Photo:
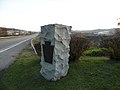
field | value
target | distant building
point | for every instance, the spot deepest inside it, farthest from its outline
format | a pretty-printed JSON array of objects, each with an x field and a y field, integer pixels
[
  {"x": 16, "y": 32},
  {"x": 3, "y": 31},
  {"x": 10, "y": 31}
]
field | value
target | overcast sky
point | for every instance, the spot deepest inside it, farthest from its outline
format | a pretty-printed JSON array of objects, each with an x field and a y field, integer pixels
[{"x": 80, "y": 14}]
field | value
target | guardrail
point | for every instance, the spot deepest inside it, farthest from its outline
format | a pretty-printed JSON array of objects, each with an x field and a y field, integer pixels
[{"x": 33, "y": 46}]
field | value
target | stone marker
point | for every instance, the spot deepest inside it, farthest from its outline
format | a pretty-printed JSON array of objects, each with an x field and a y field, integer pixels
[{"x": 55, "y": 40}]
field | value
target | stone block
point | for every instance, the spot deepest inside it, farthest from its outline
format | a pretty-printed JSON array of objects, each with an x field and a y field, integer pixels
[{"x": 55, "y": 40}]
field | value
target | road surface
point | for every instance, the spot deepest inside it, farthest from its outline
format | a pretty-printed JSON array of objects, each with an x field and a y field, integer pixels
[{"x": 10, "y": 48}]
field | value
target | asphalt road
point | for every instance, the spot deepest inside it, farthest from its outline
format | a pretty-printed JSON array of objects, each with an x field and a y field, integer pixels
[{"x": 11, "y": 47}]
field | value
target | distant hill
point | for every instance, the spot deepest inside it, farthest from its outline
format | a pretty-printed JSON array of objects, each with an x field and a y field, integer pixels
[{"x": 97, "y": 31}]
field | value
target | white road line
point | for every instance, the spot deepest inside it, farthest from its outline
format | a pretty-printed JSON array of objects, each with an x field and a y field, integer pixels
[{"x": 1, "y": 51}]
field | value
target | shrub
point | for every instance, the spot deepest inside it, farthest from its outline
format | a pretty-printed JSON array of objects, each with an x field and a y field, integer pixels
[
  {"x": 117, "y": 31},
  {"x": 78, "y": 45},
  {"x": 38, "y": 48},
  {"x": 113, "y": 44},
  {"x": 97, "y": 52}
]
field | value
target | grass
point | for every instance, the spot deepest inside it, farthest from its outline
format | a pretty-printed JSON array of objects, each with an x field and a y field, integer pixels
[
  {"x": 36, "y": 40},
  {"x": 89, "y": 73}
]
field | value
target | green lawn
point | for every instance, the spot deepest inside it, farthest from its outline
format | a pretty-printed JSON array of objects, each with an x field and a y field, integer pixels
[{"x": 89, "y": 73}]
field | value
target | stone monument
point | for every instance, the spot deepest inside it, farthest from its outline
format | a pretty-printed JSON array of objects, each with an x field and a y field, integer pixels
[{"x": 55, "y": 40}]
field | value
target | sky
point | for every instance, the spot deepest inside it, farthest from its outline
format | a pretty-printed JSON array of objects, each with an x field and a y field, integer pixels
[{"x": 80, "y": 14}]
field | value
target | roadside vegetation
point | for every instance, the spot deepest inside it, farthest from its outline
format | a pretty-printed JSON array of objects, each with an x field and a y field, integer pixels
[
  {"x": 36, "y": 40},
  {"x": 78, "y": 44},
  {"x": 97, "y": 52},
  {"x": 113, "y": 44},
  {"x": 37, "y": 45}
]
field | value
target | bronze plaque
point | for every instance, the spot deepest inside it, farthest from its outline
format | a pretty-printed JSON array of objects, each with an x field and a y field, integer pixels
[{"x": 48, "y": 52}]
